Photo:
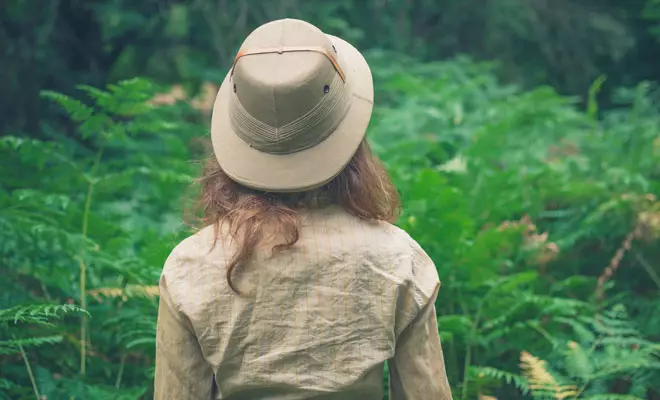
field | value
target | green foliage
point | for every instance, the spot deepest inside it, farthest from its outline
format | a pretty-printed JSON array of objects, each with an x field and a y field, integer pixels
[
  {"x": 613, "y": 350},
  {"x": 89, "y": 223},
  {"x": 652, "y": 12},
  {"x": 35, "y": 313},
  {"x": 566, "y": 43},
  {"x": 538, "y": 216},
  {"x": 522, "y": 200}
]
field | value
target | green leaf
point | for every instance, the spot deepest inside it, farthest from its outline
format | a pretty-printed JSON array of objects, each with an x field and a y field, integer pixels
[{"x": 76, "y": 110}]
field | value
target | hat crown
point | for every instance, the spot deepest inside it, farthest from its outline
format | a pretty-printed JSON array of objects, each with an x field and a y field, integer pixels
[{"x": 287, "y": 95}]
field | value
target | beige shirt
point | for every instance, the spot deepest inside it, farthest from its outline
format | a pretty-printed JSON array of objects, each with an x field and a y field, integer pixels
[{"x": 319, "y": 320}]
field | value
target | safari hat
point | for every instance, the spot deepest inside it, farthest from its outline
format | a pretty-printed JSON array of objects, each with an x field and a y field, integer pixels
[{"x": 293, "y": 108}]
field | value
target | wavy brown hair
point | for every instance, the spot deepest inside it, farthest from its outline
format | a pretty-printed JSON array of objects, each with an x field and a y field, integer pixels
[{"x": 363, "y": 189}]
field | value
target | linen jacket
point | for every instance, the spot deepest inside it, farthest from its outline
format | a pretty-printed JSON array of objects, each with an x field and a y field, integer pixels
[{"x": 318, "y": 320}]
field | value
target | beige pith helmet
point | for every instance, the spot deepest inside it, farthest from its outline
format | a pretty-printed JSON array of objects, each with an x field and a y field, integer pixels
[{"x": 293, "y": 109}]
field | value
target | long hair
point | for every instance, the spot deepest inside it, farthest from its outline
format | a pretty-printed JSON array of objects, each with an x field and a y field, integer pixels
[{"x": 363, "y": 189}]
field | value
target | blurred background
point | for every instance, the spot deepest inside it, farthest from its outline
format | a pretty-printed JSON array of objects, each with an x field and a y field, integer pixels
[{"x": 524, "y": 136}]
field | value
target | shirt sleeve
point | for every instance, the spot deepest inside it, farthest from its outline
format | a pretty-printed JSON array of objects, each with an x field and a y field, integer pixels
[
  {"x": 417, "y": 371},
  {"x": 182, "y": 373}
]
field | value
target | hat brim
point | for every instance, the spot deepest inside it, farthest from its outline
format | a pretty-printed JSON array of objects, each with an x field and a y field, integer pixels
[{"x": 307, "y": 169}]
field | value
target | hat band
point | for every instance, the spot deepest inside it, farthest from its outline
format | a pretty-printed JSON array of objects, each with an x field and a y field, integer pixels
[
  {"x": 289, "y": 49},
  {"x": 305, "y": 132}
]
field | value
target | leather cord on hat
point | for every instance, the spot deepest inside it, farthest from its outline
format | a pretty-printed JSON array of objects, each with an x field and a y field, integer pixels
[{"x": 290, "y": 49}]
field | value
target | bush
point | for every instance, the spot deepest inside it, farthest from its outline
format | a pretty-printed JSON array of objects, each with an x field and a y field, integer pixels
[{"x": 539, "y": 217}]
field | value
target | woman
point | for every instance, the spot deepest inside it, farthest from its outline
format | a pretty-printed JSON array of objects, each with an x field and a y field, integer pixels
[{"x": 299, "y": 287}]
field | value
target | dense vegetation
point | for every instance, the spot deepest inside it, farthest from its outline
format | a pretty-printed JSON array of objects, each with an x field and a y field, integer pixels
[
  {"x": 541, "y": 211},
  {"x": 564, "y": 43}
]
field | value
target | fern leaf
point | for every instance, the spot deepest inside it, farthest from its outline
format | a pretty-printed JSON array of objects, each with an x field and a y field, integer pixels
[
  {"x": 37, "y": 313},
  {"x": 5, "y": 384},
  {"x": 577, "y": 362},
  {"x": 612, "y": 397},
  {"x": 126, "y": 292},
  {"x": 95, "y": 124},
  {"x": 145, "y": 341},
  {"x": 77, "y": 110},
  {"x": 97, "y": 94},
  {"x": 581, "y": 330},
  {"x": 541, "y": 382},
  {"x": 12, "y": 346},
  {"x": 519, "y": 382}
]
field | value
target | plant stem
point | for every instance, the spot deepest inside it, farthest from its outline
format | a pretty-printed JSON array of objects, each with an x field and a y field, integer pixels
[
  {"x": 29, "y": 371},
  {"x": 121, "y": 370},
  {"x": 470, "y": 340},
  {"x": 649, "y": 269},
  {"x": 466, "y": 369},
  {"x": 468, "y": 350},
  {"x": 83, "y": 266},
  {"x": 83, "y": 283}
]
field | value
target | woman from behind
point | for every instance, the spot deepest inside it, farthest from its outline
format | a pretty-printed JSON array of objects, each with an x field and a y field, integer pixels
[{"x": 298, "y": 286}]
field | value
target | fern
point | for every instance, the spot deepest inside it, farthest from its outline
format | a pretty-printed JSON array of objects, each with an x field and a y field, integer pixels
[
  {"x": 518, "y": 381},
  {"x": 610, "y": 348},
  {"x": 541, "y": 381},
  {"x": 37, "y": 313},
  {"x": 5, "y": 384},
  {"x": 124, "y": 293},
  {"x": 13, "y": 346},
  {"x": 581, "y": 330},
  {"x": 76, "y": 110},
  {"x": 577, "y": 362}
]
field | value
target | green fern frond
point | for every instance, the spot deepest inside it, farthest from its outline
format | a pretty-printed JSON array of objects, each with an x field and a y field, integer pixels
[
  {"x": 508, "y": 329},
  {"x": 612, "y": 397},
  {"x": 548, "y": 305},
  {"x": 615, "y": 322},
  {"x": 556, "y": 306},
  {"x": 578, "y": 363},
  {"x": 33, "y": 152},
  {"x": 75, "y": 388},
  {"x": 608, "y": 327},
  {"x": 617, "y": 365},
  {"x": 518, "y": 381},
  {"x": 130, "y": 97},
  {"x": 582, "y": 330},
  {"x": 100, "y": 96},
  {"x": 31, "y": 197},
  {"x": 37, "y": 313},
  {"x": 625, "y": 342},
  {"x": 503, "y": 317},
  {"x": 18, "y": 143},
  {"x": 12, "y": 346},
  {"x": 514, "y": 281},
  {"x": 95, "y": 124},
  {"x": 77, "y": 110},
  {"x": 139, "y": 334},
  {"x": 14, "y": 143}
]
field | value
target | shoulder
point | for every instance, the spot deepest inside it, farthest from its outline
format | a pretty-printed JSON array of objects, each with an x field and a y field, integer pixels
[
  {"x": 404, "y": 256},
  {"x": 422, "y": 269},
  {"x": 187, "y": 267},
  {"x": 194, "y": 247}
]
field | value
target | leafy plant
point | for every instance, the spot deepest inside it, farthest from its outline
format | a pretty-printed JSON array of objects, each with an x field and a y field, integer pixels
[
  {"x": 537, "y": 214},
  {"x": 93, "y": 212},
  {"x": 609, "y": 350}
]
